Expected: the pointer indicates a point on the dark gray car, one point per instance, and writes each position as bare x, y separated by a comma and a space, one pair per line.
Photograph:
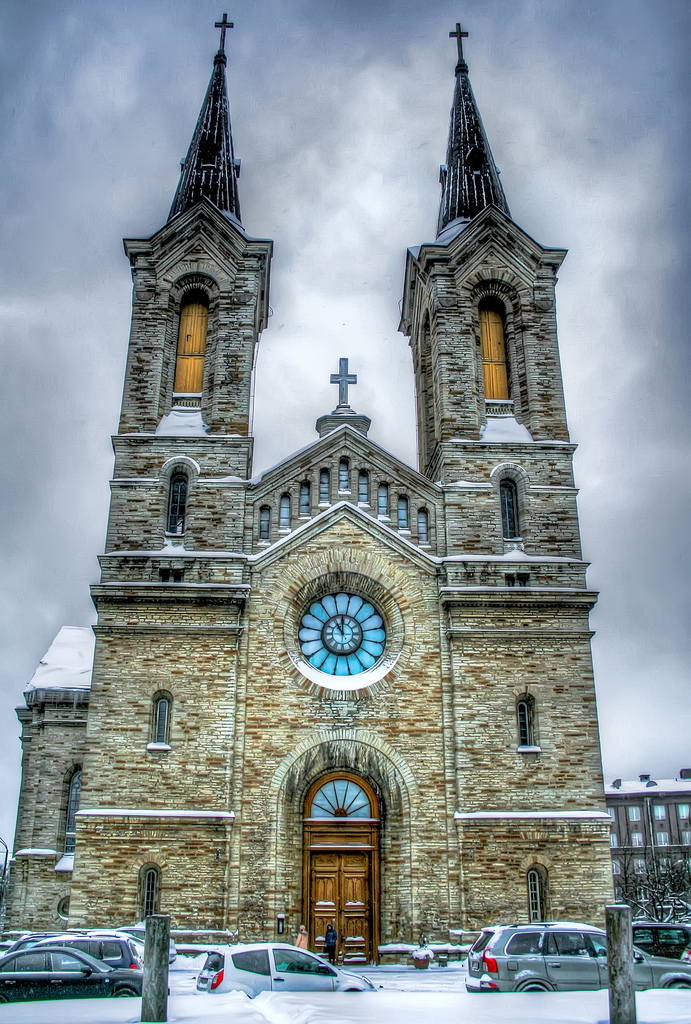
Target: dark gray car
59, 972
557, 957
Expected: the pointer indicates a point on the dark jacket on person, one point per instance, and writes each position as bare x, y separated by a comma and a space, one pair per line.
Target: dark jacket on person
331, 937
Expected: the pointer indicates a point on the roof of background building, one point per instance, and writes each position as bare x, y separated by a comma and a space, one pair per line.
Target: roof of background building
658, 787
68, 662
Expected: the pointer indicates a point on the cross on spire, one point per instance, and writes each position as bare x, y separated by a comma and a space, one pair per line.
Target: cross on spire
343, 379
223, 25
459, 35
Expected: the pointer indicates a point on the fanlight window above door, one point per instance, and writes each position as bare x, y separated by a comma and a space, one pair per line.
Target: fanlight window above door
341, 798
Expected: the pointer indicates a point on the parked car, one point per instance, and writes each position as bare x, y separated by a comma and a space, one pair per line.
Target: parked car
138, 932
273, 966
111, 949
662, 938
28, 940
559, 956
62, 972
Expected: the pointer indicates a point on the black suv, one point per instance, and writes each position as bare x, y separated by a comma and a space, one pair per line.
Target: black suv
662, 938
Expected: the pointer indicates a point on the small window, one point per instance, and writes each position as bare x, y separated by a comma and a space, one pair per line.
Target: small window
402, 512
662, 839
305, 499
683, 810
616, 867
509, 510
686, 839
634, 814
660, 812
151, 888
536, 895
161, 719
255, 961
264, 522
284, 514
324, 485
344, 475
610, 811
639, 868
613, 841
618, 893
363, 487
64, 908
422, 526
72, 808
177, 503
524, 713
383, 499
637, 839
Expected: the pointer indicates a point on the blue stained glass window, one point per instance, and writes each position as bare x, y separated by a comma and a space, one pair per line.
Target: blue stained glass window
342, 634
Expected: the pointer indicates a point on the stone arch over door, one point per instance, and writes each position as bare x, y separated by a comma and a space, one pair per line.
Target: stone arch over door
358, 753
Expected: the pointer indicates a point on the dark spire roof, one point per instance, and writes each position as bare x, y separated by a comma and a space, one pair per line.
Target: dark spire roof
469, 178
210, 169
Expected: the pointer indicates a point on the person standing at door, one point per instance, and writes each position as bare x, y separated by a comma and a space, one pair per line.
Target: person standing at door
330, 940
302, 938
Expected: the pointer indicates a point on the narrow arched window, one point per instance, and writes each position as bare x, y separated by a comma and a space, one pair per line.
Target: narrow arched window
422, 526
305, 500
264, 522
383, 499
363, 487
161, 719
177, 503
284, 512
151, 884
189, 365
493, 348
402, 512
537, 887
324, 485
75, 792
524, 715
509, 510
344, 475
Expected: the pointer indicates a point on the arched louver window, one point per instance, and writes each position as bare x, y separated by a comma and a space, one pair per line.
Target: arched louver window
344, 475
383, 499
509, 510
305, 500
324, 485
363, 487
161, 719
284, 512
537, 887
524, 714
402, 512
189, 366
493, 347
177, 503
264, 522
72, 808
422, 526
150, 891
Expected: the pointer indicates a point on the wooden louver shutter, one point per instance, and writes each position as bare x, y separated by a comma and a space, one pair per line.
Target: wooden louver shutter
493, 355
189, 368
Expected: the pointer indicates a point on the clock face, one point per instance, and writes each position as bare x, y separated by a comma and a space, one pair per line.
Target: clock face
342, 635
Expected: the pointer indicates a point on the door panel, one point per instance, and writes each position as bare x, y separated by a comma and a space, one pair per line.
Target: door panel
340, 887
295, 971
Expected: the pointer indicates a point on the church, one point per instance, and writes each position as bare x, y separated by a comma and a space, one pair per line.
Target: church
346, 689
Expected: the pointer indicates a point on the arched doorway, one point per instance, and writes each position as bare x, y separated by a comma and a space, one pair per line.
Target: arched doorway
341, 864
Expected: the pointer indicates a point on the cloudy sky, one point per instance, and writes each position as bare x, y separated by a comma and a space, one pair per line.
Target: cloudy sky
340, 115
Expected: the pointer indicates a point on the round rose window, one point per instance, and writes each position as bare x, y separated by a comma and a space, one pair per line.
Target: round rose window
342, 635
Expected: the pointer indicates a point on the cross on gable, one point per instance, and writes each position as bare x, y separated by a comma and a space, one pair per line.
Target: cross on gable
459, 35
223, 25
343, 379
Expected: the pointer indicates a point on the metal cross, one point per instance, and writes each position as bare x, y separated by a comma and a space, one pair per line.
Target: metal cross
223, 25
343, 379
459, 35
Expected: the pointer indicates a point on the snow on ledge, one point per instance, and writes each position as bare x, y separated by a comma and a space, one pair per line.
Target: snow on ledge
182, 422
505, 428
66, 863
489, 815
67, 663
134, 812
36, 852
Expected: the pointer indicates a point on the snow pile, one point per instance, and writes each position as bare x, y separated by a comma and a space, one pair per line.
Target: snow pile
504, 428
67, 663
182, 422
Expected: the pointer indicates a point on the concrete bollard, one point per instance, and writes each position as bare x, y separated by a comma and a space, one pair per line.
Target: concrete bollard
156, 954
622, 993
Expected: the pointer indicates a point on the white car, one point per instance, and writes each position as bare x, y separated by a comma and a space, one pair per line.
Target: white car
274, 966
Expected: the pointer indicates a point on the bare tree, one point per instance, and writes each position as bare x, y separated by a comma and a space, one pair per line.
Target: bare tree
656, 885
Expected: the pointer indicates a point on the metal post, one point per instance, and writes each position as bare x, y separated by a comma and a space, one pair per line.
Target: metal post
622, 996
156, 953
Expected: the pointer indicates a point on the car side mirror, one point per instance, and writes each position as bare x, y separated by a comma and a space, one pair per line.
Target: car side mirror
86, 971
638, 958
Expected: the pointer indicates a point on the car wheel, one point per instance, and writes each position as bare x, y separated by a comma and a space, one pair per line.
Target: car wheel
679, 984
122, 992
352, 990
534, 986
3, 998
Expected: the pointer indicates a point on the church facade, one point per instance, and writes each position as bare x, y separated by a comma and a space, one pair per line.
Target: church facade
346, 690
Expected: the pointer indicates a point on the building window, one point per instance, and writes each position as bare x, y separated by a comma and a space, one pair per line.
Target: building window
493, 349
189, 366
402, 512
383, 500
161, 718
613, 841
284, 513
611, 812
344, 475
363, 487
618, 893
150, 886
74, 794
422, 526
683, 810
525, 714
616, 867
634, 814
660, 812
509, 509
686, 838
662, 839
264, 522
324, 486
177, 503
305, 499
637, 839
537, 888
639, 865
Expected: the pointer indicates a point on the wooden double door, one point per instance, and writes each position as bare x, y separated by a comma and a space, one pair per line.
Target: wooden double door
341, 893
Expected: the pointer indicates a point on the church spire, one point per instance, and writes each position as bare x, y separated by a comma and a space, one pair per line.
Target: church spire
210, 169
469, 178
